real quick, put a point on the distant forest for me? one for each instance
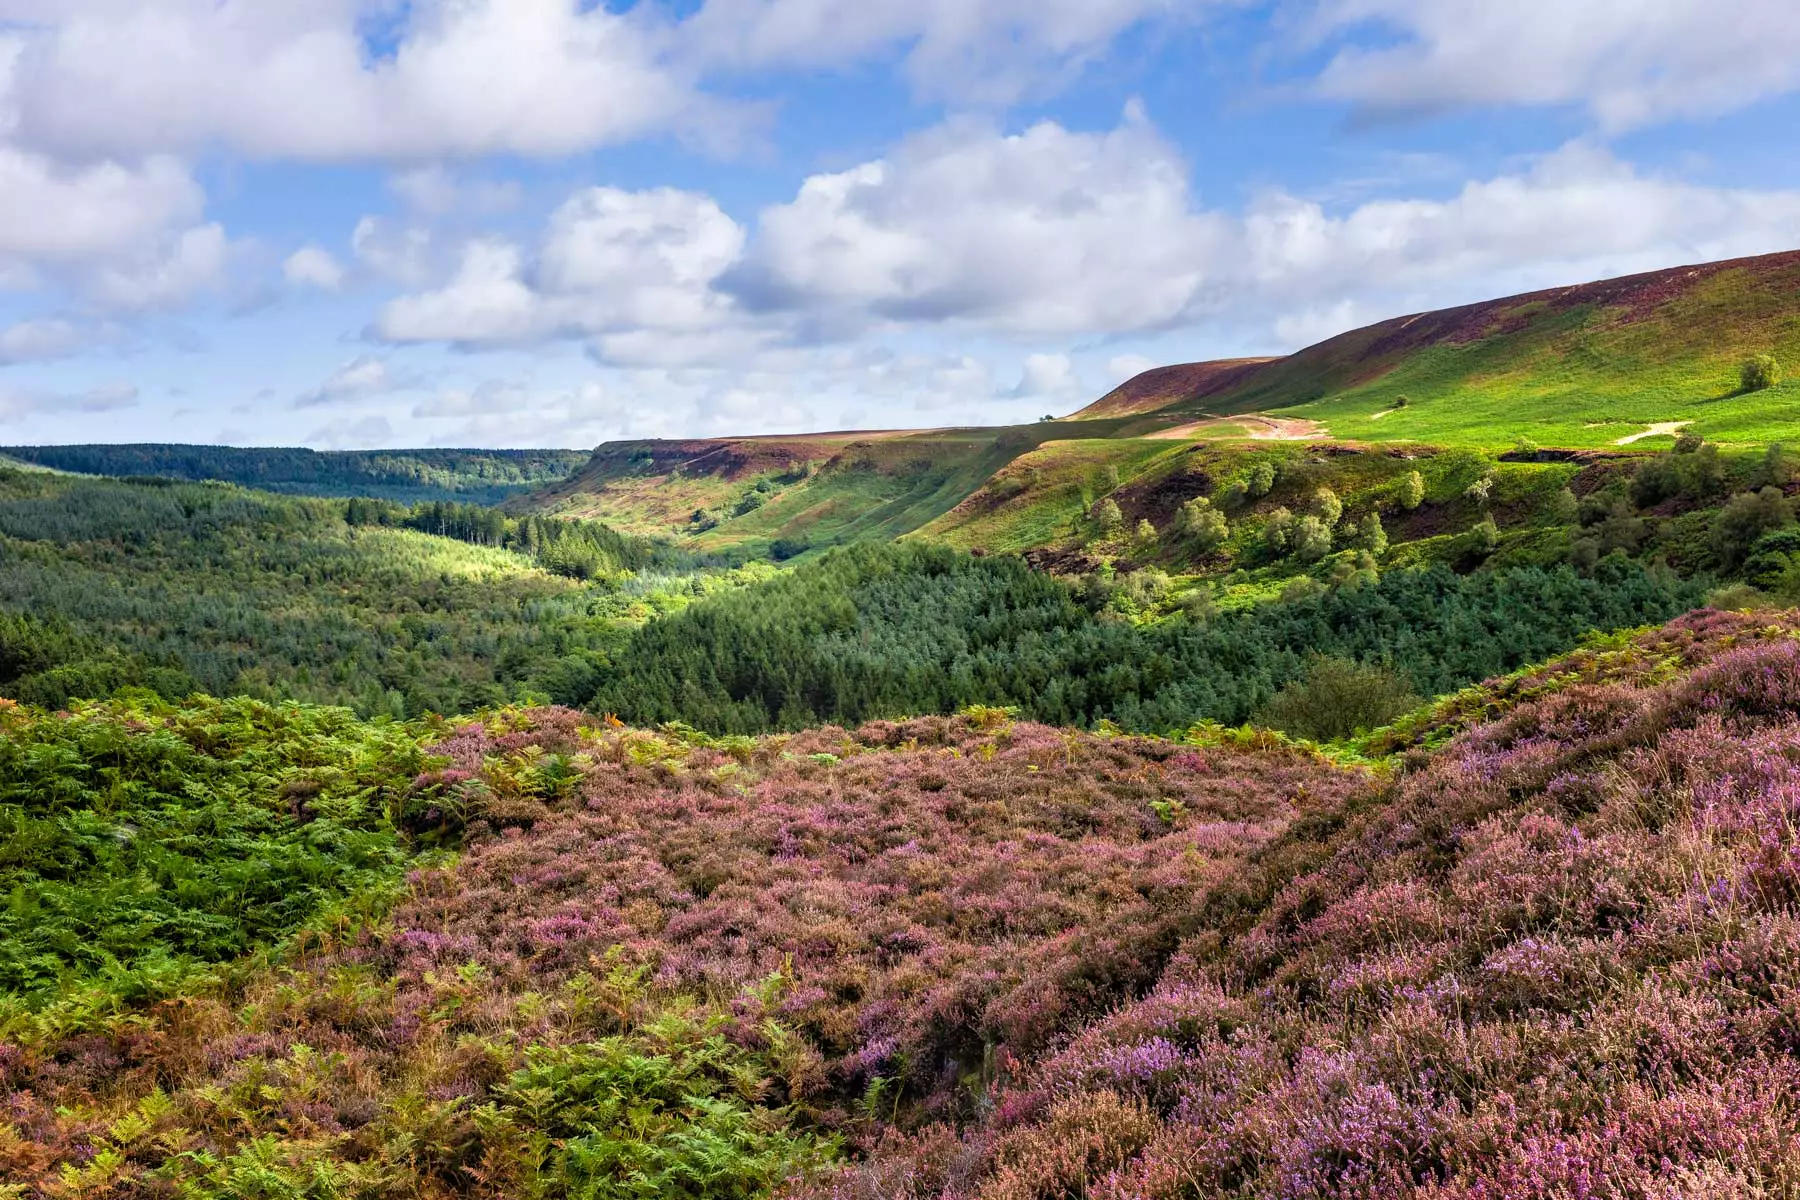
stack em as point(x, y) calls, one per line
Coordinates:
point(177, 587)
point(881, 631)
point(408, 476)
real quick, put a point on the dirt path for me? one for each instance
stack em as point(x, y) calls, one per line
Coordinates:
point(1663, 429)
point(1259, 428)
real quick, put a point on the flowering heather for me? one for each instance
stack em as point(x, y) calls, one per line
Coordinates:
point(833, 928)
point(1552, 950)
point(1560, 959)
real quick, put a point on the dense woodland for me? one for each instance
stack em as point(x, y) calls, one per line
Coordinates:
point(411, 476)
point(884, 631)
point(181, 587)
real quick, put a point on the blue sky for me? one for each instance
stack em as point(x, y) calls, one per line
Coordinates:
point(359, 223)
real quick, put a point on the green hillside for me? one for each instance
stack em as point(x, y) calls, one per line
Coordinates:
point(1575, 367)
point(1621, 367)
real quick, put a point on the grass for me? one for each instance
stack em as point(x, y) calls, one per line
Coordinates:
point(1579, 376)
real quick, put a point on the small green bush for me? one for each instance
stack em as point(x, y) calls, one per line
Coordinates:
point(1339, 698)
point(1759, 373)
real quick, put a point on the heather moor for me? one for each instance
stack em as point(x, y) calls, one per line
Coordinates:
point(875, 600)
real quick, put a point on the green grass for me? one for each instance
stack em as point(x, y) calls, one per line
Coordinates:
point(1583, 376)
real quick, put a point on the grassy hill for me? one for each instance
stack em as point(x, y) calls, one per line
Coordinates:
point(1574, 367)
point(1620, 367)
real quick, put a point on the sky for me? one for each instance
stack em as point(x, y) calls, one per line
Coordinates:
point(513, 223)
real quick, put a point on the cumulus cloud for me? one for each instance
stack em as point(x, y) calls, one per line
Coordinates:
point(1049, 377)
point(114, 228)
point(312, 266)
point(1053, 232)
point(1047, 231)
point(333, 80)
point(1630, 62)
point(355, 380)
point(639, 265)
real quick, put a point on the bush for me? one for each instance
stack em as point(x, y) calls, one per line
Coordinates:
point(1107, 517)
point(1203, 524)
point(1742, 522)
point(784, 548)
point(1759, 373)
point(1311, 539)
point(1412, 490)
point(1327, 507)
point(1371, 536)
point(1339, 698)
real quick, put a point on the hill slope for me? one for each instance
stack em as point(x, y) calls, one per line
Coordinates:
point(1557, 956)
point(1624, 364)
point(1573, 366)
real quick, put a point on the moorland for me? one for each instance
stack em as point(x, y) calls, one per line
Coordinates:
point(1369, 772)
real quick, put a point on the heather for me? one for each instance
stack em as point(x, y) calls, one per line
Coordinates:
point(663, 964)
point(1544, 941)
point(1557, 958)
point(872, 632)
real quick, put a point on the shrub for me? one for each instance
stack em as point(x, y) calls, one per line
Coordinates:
point(1371, 536)
point(1327, 507)
point(1339, 698)
point(1694, 474)
point(1203, 524)
point(1146, 532)
point(1759, 373)
point(1107, 517)
point(1311, 539)
point(1261, 481)
point(1411, 491)
point(1778, 467)
point(784, 548)
point(1744, 520)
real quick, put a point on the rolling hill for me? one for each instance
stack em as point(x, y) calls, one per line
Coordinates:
point(1574, 366)
point(1618, 366)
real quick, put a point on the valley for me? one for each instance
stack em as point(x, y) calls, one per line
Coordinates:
point(1367, 772)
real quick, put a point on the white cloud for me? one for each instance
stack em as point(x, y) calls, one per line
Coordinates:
point(1047, 231)
point(1054, 234)
point(1575, 215)
point(298, 79)
point(311, 266)
point(962, 49)
point(406, 254)
point(638, 265)
point(355, 380)
point(166, 275)
point(1060, 233)
point(436, 192)
point(1630, 62)
point(107, 398)
point(487, 301)
point(55, 215)
point(43, 339)
point(353, 433)
point(1048, 377)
